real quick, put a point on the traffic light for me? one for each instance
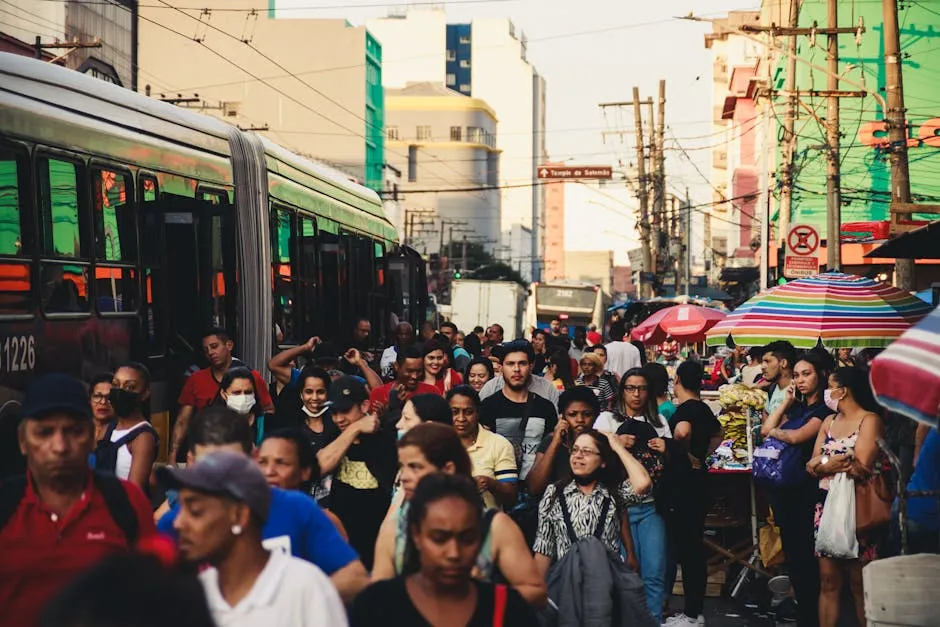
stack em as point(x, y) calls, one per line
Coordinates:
point(457, 274)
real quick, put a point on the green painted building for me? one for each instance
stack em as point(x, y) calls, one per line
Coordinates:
point(865, 163)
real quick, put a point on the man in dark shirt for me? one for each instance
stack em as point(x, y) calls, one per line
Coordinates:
point(683, 492)
point(364, 461)
point(520, 416)
point(578, 409)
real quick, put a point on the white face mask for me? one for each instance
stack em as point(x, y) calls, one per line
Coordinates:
point(240, 403)
point(315, 414)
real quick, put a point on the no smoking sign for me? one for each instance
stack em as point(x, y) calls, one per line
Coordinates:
point(802, 244)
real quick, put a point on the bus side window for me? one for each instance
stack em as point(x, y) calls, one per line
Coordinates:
point(222, 259)
point(332, 266)
point(115, 242)
point(307, 313)
point(378, 294)
point(151, 258)
point(283, 271)
point(64, 283)
point(16, 234)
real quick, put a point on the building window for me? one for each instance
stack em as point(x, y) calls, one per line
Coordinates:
point(465, 63)
point(451, 55)
point(412, 163)
point(455, 134)
point(451, 80)
point(465, 39)
point(465, 88)
point(423, 132)
point(391, 133)
point(474, 136)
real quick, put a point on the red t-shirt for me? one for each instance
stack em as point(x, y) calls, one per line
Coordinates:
point(449, 381)
point(381, 393)
point(202, 389)
point(42, 553)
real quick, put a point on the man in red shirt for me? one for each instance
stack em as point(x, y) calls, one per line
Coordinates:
point(202, 388)
point(61, 518)
point(409, 381)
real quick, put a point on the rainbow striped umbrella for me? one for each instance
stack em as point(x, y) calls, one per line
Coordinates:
point(839, 310)
point(906, 376)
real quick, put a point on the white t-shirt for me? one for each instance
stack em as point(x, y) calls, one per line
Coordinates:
point(621, 356)
point(122, 467)
point(289, 591)
point(606, 423)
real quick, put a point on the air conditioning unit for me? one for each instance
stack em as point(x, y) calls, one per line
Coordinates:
point(230, 109)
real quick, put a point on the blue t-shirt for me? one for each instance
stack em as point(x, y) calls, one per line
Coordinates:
point(923, 510)
point(297, 526)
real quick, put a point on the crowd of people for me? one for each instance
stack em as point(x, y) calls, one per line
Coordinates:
point(454, 478)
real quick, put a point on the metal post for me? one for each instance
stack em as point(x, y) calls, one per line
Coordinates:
point(642, 193)
point(463, 255)
point(833, 177)
point(897, 130)
point(687, 237)
point(789, 122)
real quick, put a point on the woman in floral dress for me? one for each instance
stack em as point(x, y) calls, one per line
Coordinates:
point(847, 442)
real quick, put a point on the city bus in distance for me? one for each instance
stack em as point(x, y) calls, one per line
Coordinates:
point(129, 226)
point(574, 303)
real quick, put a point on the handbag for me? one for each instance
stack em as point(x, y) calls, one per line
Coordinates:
point(873, 499)
point(778, 463)
point(836, 534)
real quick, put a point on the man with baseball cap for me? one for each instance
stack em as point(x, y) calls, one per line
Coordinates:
point(60, 518)
point(364, 462)
point(225, 501)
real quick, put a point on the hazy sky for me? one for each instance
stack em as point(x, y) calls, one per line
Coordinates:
point(593, 51)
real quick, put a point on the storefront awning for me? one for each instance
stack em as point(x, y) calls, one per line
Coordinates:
point(922, 243)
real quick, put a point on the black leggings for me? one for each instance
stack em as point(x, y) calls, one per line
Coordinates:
point(685, 530)
point(794, 509)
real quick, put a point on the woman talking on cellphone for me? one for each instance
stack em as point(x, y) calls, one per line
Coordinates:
point(795, 423)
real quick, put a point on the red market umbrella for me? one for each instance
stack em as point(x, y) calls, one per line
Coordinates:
point(906, 376)
point(685, 323)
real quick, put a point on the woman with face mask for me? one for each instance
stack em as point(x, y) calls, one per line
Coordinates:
point(129, 446)
point(237, 391)
point(847, 442)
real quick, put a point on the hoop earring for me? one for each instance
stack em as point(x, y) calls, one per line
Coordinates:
point(236, 530)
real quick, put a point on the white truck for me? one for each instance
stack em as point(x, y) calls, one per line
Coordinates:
point(483, 303)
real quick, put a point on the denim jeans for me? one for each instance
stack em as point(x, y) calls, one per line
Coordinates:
point(649, 540)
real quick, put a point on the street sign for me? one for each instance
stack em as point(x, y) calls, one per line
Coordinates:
point(801, 245)
point(636, 259)
point(575, 172)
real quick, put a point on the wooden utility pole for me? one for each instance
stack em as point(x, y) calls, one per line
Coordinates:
point(659, 181)
point(833, 175)
point(645, 286)
point(896, 121)
point(789, 123)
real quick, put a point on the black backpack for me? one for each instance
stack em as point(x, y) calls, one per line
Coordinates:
point(106, 451)
point(13, 489)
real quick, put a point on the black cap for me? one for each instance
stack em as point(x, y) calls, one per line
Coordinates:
point(56, 392)
point(347, 392)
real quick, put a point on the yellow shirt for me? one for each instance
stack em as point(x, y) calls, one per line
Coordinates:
point(492, 456)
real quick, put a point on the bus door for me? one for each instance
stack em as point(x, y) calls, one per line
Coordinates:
point(189, 252)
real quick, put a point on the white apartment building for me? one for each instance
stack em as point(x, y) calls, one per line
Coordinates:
point(484, 59)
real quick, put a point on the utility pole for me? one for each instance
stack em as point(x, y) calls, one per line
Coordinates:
point(789, 123)
point(833, 176)
point(687, 242)
point(463, 254)
point(655, 209)
point(896, 122)
point(71, 47)
point(660, 179)
point(645, 290)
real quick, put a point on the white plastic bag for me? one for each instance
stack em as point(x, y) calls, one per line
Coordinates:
point(836, 535)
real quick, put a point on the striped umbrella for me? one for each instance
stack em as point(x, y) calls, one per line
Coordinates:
point(839, 310)
point(685, 323)
point(906, 376)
